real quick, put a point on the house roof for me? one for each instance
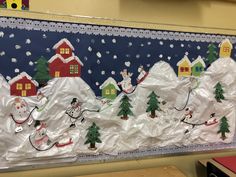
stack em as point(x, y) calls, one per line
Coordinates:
point(55, 57)
point(185, 58)
point(226, 41)
point(199, 59)
point(73, 57)
point(20, 76)
point(112, 81)
point(61, 42)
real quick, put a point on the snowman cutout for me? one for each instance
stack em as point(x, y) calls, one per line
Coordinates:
point(42, 101)
point(41, 139)
point(41, 104)
point(188, 114)
point(42, 142)
point(187, 117)
point(75, 108)
point(126, 84)
point(212, 120)
point(142, 74)
point(75, 111)
point(20, 114)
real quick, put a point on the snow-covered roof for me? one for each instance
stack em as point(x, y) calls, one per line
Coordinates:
point(226, 41)
point(55, 57)
point(61, 42)
point(185, 58)
point(73, 57)
point(112, 81)
point(199, 59)
point(20, 76)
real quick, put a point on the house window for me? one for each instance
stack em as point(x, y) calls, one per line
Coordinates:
point(226, 49)
point(28, 86)
point(182, 69)
point(113, 92)
point(197, 69)
point(107, 92)
point(200, 69)
point(74, 69)
point(186, 69)
point(62, 51)
point(67, 51)
point(18, 86)
point(57, 73)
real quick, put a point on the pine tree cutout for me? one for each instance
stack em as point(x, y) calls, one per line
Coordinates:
point(153, 104)
point(42, 74)
point(93, 136)
point(125, 108)
point(211, 54)
point(219, 92)
point(224, 127)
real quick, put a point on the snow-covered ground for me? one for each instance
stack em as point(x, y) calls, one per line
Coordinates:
point(139, 131)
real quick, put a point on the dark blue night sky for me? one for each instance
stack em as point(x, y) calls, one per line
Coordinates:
point(103, 56)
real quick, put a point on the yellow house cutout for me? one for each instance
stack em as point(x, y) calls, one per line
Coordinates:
point(14, 4)
point(184, 67)
point(225, 48)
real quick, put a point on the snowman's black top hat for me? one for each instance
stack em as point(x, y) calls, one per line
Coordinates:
point(74, 100)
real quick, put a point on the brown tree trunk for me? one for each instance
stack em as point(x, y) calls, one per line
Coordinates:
point(153, 114)
point(125, 117)
point(223, 137)
point(92, 145)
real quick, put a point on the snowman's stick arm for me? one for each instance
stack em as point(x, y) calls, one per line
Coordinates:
point(50, 147)
point(192, 123)
point(85, 110)
point(185, 103)
point(199, 124)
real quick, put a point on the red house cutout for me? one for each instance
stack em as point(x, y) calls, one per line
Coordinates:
point(23, 85)
point(64, 63)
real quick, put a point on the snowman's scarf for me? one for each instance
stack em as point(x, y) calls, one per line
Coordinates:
point(17, 122)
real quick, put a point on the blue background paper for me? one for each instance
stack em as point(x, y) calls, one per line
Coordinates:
point(103, 56)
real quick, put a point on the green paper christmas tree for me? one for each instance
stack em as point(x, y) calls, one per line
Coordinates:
point(42, 74)
point(93, 136)
point(219, 92)
point(224, 127)
point(211, 54)
point(125, 108)
point(153, 104)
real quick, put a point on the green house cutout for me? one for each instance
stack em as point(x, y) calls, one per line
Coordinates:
point(198, 66)
point(109, 89)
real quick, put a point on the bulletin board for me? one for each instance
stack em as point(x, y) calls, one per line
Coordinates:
point(75, 91)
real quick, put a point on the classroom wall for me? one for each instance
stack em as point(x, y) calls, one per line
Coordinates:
point(186, 15)
point(200, 13)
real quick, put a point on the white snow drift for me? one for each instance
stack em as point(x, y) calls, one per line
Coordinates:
point(139, 131)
